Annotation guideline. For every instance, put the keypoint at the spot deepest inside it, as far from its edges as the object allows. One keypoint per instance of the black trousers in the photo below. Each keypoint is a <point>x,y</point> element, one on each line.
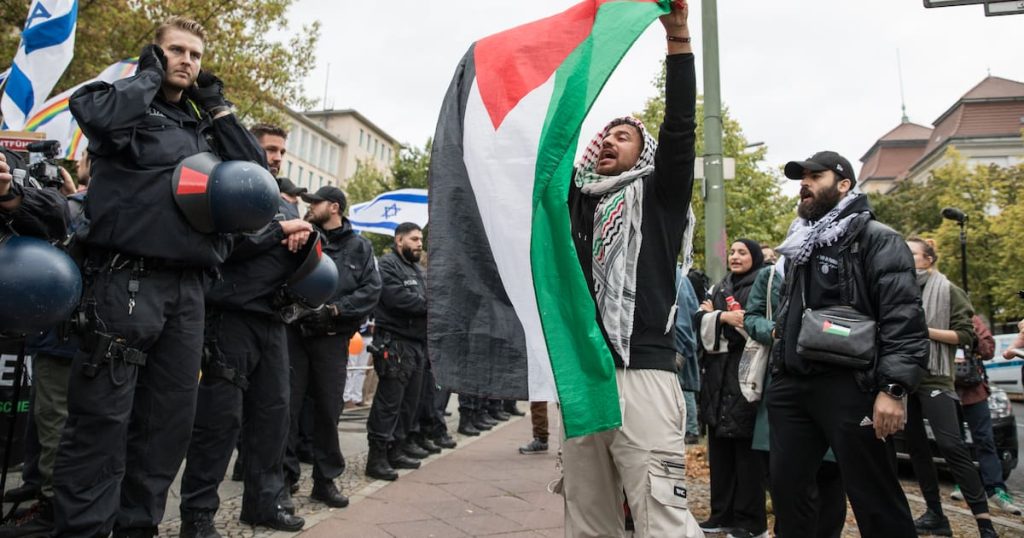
<point>810,413</point>
<point>318,366</point>
<point>396,403</point>
<point>738,480</point>
<point>942,410</point>
<point>128,426</point>
<point>830,500</point>
<point>431,419</point>
<point>249,378</point>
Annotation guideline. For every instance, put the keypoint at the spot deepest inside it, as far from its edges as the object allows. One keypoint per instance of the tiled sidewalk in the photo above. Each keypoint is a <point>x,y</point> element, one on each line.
<point>485,488</point>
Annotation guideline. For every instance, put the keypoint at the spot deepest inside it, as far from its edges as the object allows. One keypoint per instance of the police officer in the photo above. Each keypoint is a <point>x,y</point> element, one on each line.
<point>245,372</point>
<point>132,392</point>
<point>319,358</point>
<point>400,339</point>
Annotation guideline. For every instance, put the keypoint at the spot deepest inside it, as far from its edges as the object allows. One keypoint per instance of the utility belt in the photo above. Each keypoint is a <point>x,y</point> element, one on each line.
<point>392,357</point>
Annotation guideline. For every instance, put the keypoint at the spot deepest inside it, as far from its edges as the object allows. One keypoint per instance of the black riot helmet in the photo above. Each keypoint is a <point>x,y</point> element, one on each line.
<point>224,196</point>
<point>315,280</point>
<point>40,286</point>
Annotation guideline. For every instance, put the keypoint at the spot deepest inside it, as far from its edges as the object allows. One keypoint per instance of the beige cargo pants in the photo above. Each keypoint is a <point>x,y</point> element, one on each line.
<point>645,458</point>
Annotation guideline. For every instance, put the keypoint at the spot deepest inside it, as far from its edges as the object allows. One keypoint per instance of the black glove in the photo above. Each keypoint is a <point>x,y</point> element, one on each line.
<point>152,58</point>
<point>208,92</point>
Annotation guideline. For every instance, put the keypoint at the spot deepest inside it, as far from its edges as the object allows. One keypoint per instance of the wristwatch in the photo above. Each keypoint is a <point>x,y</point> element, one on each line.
<point>895,390</point>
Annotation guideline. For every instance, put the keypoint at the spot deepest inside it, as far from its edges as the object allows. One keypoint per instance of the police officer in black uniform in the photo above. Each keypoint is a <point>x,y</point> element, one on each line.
<point>320,357</point>
<point>132,392</point>
<point>245,373</point>
<point>400,341</point>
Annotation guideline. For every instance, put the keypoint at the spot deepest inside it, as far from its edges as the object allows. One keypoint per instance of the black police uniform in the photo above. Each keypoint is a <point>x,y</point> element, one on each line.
<point>319,359</point>
<point>129,425</point>
<point>401,329</point>
<point>245,366</point>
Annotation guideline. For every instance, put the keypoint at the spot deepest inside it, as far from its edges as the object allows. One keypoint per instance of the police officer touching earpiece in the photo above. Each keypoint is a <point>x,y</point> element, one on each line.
<point>132,392</point>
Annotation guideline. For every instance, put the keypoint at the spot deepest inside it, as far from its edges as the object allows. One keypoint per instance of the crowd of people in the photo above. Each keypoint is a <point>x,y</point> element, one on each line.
<point>850,329</point>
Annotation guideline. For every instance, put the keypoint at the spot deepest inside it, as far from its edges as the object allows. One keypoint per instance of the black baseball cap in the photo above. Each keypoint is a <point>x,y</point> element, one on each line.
<point>290,188</point>
<point>329,193</point>
<point>819,162</point>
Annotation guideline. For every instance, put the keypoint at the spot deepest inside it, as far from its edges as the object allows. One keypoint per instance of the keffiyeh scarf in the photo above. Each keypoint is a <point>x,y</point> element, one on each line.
<point>617,234</point>
<point>804,236</point>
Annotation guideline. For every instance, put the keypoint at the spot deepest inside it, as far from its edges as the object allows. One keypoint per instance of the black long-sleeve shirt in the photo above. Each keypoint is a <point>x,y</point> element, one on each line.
<point>667,193</point>
<point>136,139</point>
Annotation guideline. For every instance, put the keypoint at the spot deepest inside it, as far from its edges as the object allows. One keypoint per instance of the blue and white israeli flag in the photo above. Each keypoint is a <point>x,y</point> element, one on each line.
<point>3,76</point>
<point>47,46</point>
<point>385,212</point>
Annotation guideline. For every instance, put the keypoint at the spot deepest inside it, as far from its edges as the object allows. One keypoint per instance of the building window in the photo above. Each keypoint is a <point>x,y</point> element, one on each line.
<point>300,175</point>
<point>332,163</point>
<point>362,135</point>
<point>289,173</point>
<point>311,179</point>
<point>304,145</point>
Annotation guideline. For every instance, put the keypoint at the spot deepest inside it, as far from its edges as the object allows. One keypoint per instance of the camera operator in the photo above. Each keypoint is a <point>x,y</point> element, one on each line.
<point>41,213</point>
<point>132,392</point>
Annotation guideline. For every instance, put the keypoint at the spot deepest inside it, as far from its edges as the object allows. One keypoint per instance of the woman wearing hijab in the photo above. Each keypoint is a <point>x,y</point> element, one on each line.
<point>738,473</point>
<point>948,312</point>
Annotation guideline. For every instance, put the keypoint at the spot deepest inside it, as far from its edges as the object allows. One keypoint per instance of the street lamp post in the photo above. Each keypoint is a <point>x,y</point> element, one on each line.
<point>714,191</point>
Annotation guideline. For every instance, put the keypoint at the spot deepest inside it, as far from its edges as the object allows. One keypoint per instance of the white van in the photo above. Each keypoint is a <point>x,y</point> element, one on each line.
<point>1003,373</point>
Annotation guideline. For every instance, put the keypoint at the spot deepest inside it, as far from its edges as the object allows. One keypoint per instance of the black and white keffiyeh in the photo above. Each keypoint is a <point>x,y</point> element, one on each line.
<point>804,236</point>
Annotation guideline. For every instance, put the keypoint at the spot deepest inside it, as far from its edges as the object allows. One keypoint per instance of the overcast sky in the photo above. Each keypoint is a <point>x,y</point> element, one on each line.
<point>799,75</point>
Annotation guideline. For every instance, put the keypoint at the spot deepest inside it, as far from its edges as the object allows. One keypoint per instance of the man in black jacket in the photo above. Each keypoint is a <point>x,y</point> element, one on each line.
<point>632,280</point>
<point>837,254</point>
<point>245,374</point>
<point>132,393</point>
<point>400,338</point>
<point>320,357</point>
<point>41,213</point>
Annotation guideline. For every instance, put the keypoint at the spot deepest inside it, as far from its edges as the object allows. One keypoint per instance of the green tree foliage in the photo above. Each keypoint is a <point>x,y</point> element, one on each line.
<point>756,207</point>
<point>408,171</point>
<point>256,71</point>
<point>989,197</point>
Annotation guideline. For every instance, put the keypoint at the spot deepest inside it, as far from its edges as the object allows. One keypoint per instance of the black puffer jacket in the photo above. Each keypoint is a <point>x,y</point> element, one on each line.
<point>872,270</point>
<point>722,405</point>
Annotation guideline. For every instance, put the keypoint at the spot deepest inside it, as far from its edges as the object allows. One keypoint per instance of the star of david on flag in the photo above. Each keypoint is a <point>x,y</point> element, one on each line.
<point>385,212</point>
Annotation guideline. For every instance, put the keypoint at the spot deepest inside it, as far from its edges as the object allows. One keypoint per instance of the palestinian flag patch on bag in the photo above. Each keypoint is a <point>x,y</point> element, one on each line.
<point>833,328</point>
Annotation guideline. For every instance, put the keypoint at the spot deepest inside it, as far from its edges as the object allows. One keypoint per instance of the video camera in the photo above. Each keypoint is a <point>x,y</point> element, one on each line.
<point>43,170</point>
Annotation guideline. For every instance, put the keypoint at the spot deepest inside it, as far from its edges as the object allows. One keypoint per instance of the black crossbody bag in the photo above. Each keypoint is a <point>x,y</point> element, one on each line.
<point>839,335</point>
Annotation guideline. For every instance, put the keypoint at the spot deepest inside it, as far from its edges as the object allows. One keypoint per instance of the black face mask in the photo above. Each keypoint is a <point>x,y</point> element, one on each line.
<point>409,255</point>
<point>821,204</point>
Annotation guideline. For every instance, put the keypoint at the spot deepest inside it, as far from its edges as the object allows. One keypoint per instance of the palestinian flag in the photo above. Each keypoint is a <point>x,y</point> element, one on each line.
<point>510,314</point>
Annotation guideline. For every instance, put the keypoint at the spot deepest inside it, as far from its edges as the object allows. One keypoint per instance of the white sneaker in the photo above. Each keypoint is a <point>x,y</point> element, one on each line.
<point>956,495</point>
<point>1004,502</point>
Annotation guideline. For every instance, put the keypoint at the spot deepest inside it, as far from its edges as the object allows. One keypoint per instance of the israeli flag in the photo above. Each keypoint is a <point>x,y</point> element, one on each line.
<point>3,76</point>
<point>47,46</point>
<point>385,212</point>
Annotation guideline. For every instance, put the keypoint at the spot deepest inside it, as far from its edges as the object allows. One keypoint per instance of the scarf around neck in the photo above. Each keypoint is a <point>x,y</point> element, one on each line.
<point>935,300</point>
<point>617,233</point>
<point>804,236</point>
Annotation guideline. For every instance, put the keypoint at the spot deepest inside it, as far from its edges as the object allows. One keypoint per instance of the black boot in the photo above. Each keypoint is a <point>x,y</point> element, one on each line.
<point>36,521</point>
<point>511,408</point>
<point>327,493</point>
<point>377,465</point>
<point>445,441</point>
<point>466,426</point>
<point>22,493</point>
<point>482,422</point>
<point>398,460</point>
<point>284,500</point>
<point>198,524</point>
<point>425,443</point>
<point>499,415</point>
<point>413,450</point>
<point>933,523</point>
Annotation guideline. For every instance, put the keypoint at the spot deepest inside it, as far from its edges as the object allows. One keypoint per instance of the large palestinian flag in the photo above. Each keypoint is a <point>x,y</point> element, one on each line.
<point>510,314</point>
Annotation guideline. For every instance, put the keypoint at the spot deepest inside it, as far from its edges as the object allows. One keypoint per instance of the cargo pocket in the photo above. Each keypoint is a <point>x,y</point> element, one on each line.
<point>667,476</point>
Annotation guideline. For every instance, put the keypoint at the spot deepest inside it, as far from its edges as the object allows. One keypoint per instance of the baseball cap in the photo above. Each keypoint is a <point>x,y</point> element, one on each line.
<point>819,162</point>
<point>329,193</point>
<point>290,188</point>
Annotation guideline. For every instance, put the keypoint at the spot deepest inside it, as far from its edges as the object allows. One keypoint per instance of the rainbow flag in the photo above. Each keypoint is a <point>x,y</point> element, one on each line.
<point>54,118</point>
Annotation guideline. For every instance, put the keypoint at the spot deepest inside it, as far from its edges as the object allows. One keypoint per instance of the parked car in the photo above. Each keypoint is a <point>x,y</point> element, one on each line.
<point>1003,373</point>
<point>1004,429</point>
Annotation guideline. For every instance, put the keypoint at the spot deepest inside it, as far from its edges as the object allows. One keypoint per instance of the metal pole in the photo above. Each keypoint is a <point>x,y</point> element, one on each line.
<point>963,254</point>
<point>714,185</point>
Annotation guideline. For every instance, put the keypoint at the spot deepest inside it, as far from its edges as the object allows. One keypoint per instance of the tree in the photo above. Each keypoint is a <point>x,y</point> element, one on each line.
<point>256,72</point>
<point>755,206</point>
<point>408,171</point>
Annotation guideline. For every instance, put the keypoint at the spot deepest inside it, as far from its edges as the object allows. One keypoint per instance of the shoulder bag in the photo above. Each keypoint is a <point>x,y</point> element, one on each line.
<point>754,361</point>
